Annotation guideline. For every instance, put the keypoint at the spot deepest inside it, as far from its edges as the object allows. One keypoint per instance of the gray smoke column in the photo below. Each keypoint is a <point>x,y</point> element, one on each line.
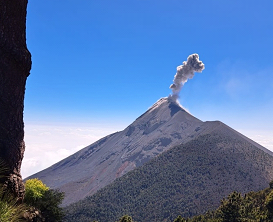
<point>185,72</point>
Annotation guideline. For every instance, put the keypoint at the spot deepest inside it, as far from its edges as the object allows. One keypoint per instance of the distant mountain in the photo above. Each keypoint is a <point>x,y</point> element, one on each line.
<point>164,125</point>
<point>161,127</point>
<point>186,180</point>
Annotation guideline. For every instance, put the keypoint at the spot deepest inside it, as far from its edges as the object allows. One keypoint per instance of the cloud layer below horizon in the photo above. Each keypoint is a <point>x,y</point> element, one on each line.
<point>48,144</point>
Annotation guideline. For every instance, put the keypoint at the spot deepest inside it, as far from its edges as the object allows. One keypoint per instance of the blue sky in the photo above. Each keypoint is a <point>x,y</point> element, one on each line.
<point>98,65</point>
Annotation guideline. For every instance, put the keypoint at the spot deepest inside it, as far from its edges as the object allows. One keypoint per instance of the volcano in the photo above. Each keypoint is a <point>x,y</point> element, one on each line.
<point>163,126</point>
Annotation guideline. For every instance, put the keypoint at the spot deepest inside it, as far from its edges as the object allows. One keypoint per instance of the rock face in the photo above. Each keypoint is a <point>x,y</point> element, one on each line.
<point>163,126</point>
<point>15,64</point>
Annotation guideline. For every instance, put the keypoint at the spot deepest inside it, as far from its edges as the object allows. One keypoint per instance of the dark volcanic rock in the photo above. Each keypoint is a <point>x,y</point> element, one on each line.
<point>15,64</point>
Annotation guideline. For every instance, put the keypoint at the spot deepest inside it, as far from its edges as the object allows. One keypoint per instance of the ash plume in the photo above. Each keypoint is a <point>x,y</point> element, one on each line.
<point>185,72</point>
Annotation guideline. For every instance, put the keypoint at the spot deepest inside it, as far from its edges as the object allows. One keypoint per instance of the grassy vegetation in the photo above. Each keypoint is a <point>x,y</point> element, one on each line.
<point>40,204</point>
<point>187,180</point>
<point>10,210</point>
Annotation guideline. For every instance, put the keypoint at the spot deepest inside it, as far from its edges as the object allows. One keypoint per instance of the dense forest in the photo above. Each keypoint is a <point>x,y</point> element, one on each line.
<point>187,180</point>
<point>251,207</point>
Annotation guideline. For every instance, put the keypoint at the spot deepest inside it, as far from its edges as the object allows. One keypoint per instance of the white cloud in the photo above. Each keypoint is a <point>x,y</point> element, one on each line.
<point>240,79</point>
<point>48,144</point>
<point>233,86</point>
<point>237,78</point>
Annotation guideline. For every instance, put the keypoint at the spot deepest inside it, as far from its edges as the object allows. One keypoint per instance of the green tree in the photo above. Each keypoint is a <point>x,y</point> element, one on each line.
<point>126,218</point>
<point>49,205</point>
<point>179,219</point>
<point>35,190</point>
<point>269,205</point>
<point>46,200</point>
<point>230,208</point>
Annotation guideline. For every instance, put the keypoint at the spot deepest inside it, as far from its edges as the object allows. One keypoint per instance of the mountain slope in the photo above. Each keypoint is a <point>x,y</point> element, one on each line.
<point>164,125</point>
<point>186,180</point>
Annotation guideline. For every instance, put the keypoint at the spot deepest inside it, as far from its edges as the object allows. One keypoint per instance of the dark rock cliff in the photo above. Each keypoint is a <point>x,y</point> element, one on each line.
<point>15,65</point>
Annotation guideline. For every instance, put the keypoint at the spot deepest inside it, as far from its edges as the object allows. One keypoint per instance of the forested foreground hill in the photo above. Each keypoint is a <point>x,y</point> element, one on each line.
<point>252,207</point>
<point>187,180</point>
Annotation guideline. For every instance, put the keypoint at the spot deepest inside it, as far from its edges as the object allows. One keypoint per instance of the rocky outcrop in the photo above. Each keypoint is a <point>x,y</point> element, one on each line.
<point>15,65</point>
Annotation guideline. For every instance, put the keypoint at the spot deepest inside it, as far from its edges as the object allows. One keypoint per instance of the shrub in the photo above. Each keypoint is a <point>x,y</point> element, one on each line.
<point>46,200</point>
<point>35,190</point>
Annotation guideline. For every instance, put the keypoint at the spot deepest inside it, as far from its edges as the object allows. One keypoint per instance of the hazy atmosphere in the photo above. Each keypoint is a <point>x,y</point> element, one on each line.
<point>98,65</point>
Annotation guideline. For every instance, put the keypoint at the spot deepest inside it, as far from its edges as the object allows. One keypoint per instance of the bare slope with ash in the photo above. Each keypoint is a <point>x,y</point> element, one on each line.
<point>164,125</point>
